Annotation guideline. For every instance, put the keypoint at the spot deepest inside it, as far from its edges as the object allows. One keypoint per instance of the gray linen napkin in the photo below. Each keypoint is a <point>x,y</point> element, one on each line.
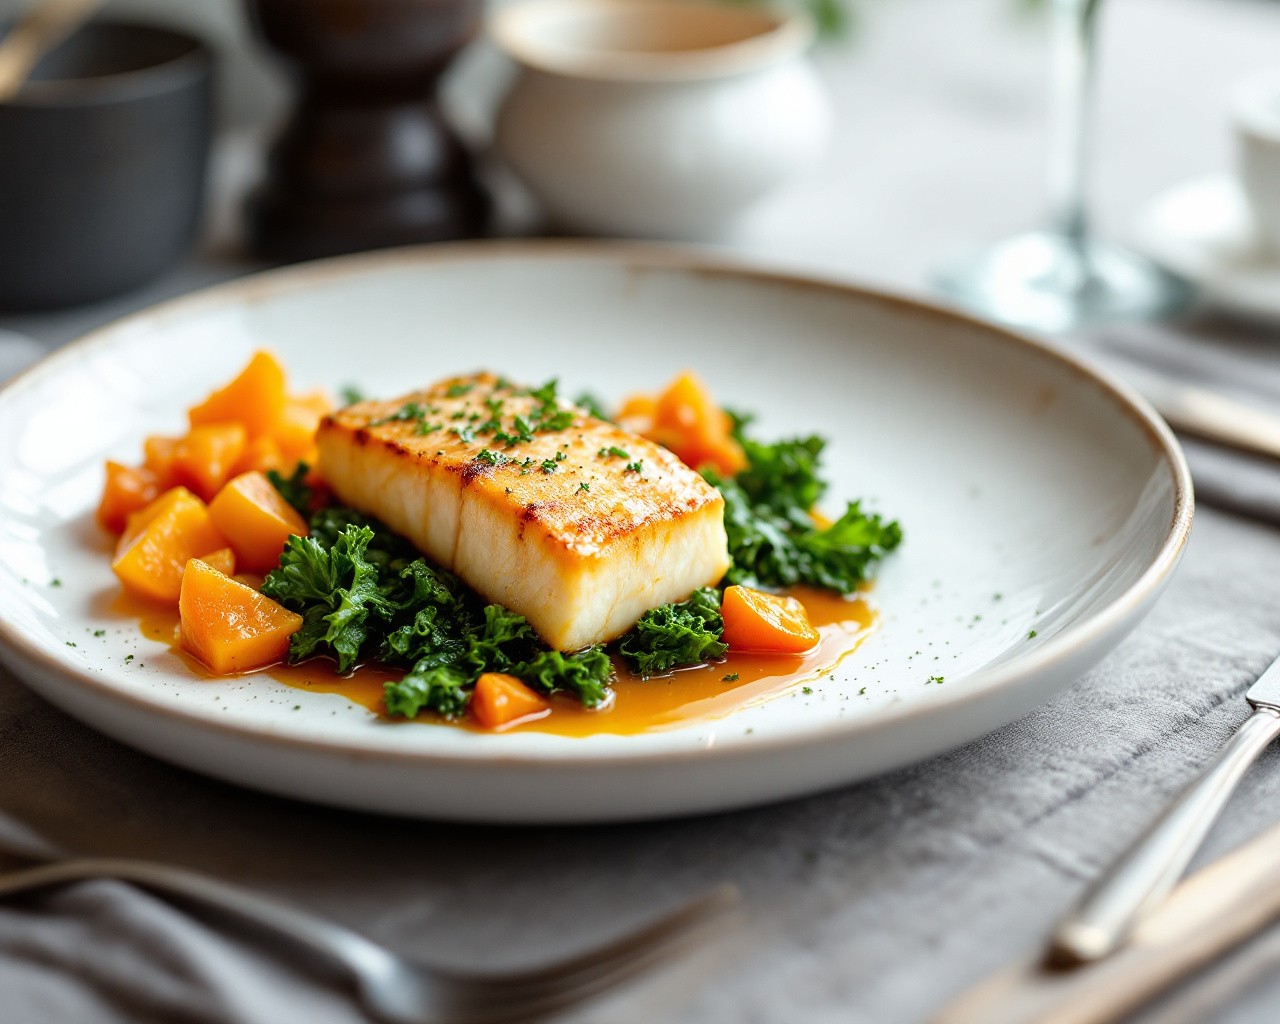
<point>1232,360</point>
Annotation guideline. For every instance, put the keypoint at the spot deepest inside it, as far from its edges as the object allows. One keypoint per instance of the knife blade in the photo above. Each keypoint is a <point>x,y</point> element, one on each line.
<point>1205,414</point>
<point>1266,691</point>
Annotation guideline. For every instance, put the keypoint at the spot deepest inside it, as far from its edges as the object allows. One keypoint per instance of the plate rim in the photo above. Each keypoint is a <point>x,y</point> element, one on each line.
<point>701,261</point>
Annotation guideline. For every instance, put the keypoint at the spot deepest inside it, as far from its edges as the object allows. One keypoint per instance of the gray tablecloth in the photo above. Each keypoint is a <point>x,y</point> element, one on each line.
<point>873,904</point>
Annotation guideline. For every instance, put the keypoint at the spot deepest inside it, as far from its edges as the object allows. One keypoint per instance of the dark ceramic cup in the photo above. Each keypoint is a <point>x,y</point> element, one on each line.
<point>102,165</point>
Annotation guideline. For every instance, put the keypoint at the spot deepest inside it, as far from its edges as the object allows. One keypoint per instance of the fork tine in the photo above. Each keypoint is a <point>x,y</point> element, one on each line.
<point>504,998</point>
<point>701,909</point>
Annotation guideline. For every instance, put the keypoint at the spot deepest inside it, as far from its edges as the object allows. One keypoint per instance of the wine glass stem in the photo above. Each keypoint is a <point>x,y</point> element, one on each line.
<point>1073,51</point>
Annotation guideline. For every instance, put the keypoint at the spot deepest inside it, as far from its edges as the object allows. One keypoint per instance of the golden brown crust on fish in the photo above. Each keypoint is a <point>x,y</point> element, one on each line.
<point>569,520</point>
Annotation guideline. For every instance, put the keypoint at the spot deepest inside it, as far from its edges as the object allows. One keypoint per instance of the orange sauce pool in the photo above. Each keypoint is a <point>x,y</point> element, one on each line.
<point>639,705</point>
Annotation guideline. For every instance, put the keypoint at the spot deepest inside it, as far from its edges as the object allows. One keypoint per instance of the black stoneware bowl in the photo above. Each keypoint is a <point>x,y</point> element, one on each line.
<point>102,165</point>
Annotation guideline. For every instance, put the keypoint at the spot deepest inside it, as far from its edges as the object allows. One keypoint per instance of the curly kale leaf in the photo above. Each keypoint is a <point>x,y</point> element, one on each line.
<point>442,689</point>
<point>584,674</point>
<point>665,638</point>
<point>337,591</point>
<point>773,547</point>
<point>294,488</point>
<point>782,476</point>
<point>387,550</point>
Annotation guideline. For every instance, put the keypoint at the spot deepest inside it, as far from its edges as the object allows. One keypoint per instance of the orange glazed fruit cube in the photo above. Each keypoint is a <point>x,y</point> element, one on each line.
<point>257,521</point>
<point>255,398</point>
<point>500,700</point>
<point>204,459</point>
<point>261,454</point>
<point>127,490</point>
<point>158,455</point>
<point>228,626</point>
<point>224,560</point>
<point>160,540</point>
<point>685,419</point>
<point>766,623</point>
<point>295,431</point>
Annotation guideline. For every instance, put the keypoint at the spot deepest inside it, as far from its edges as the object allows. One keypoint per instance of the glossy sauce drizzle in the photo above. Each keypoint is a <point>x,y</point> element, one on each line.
<point>639,705</point>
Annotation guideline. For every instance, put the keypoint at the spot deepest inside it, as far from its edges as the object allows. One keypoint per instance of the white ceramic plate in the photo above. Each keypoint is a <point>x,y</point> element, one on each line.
<point>1035,495</point>
<point>1202,230</point>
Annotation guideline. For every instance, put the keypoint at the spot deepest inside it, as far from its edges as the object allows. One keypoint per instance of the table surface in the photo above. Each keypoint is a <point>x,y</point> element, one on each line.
<point>872,904</point>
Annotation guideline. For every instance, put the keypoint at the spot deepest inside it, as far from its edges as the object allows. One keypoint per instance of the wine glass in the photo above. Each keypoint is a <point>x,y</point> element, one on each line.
<point>1061,278</point>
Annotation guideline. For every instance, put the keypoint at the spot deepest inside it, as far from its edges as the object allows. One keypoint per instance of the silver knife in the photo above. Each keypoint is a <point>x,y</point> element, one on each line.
<point>1206,414</point>
<point>1148,870</point>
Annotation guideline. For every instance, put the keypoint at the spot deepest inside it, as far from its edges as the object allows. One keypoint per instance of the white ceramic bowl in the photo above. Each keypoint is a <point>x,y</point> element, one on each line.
<point>654,118</point>
<point>1037,497</point>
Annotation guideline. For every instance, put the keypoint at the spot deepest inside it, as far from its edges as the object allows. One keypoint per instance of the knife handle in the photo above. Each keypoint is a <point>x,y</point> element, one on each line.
<point>1149,869</point>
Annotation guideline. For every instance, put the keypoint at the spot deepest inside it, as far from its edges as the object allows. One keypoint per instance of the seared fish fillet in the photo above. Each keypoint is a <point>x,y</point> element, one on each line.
<point>577,525</point>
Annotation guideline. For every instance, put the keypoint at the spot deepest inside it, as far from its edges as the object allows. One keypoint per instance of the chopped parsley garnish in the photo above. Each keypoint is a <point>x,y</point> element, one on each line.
<point>635,467</point>
<point>458,390</point>
<point>731,677</point>
<point>688,633</point>
<point>491,457</point>
<point>521,432</point>
<point>547,415</point>
<point>414,411</point>
<point>584,486</point>
<point>614,452</point>
<point>593,406</point>
<point>351,394</point>
<point>466,435</point>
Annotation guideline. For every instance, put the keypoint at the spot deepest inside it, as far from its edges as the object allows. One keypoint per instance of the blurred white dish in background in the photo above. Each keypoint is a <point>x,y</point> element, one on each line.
<point>17,352</point>
<point>1202,230</point>
<point>656,119</point>
<point>1256,113</point>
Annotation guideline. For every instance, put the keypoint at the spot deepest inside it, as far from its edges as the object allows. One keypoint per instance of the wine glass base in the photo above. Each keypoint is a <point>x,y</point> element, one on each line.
<point>1049,282</point>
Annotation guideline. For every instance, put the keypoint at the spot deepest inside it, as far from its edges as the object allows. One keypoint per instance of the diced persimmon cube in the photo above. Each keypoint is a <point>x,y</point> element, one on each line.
<point>295,431</point>
<point>205,458</point>
<point>766,623</point>
<point>158,455</point>
<point>695,428</point>
<point>224,560</point>
<point>685,419</point>
<point>252,515</point>
<point>228,626</point>
<point>159,541</point>
<point>261,454</point>
<point>254,399</point>
<point>500,700</point>
<point>640,408</point>
<point>127,490</point>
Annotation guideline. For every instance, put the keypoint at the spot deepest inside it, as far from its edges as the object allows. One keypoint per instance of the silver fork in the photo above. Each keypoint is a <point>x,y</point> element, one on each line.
<point>398,990</point>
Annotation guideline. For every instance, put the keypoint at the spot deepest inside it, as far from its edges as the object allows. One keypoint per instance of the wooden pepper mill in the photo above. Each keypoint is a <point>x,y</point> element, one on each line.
<point>366,160</point>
